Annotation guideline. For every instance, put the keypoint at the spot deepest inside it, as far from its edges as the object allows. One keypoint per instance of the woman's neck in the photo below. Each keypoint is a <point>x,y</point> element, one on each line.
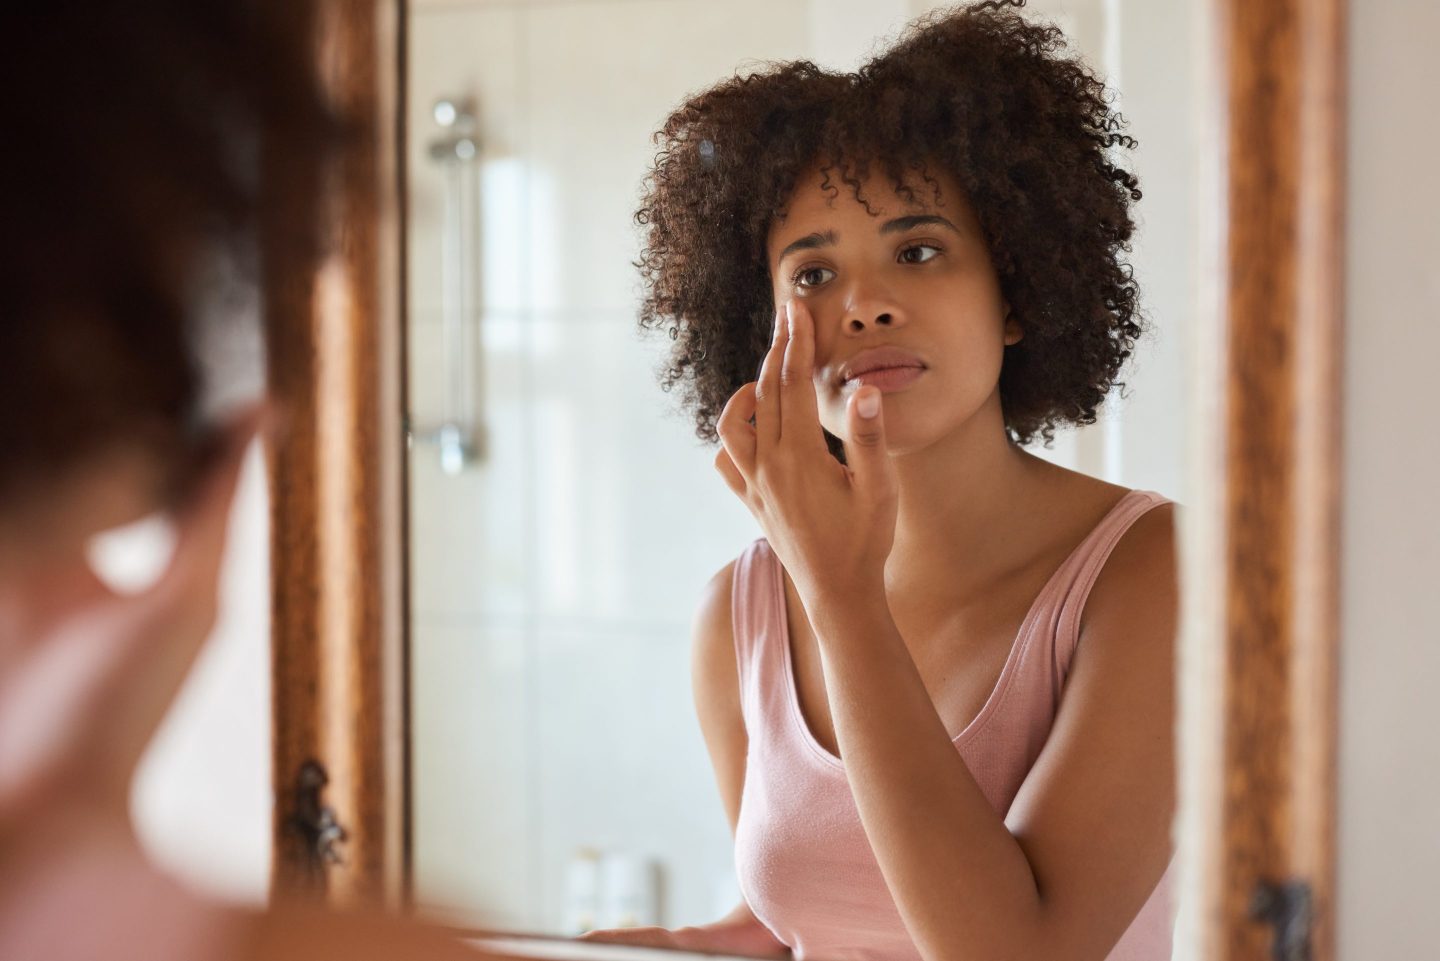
<point>963,503</point>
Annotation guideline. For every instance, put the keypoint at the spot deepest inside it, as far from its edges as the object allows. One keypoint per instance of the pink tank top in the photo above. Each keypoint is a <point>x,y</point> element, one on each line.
<point>802,859</point>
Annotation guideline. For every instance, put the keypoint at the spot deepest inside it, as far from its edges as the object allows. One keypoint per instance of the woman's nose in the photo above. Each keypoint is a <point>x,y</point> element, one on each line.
<point>858,322</point>
<point>869,307</point>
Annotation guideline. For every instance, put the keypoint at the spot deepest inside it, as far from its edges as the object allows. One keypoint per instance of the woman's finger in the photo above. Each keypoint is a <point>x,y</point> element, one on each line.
<point>767,391</point>
<point>736,433</point>
<point>651,936</point>
<point>733,478</point>
<point>203,523</point>
<point>866,454</point>
<point>800,420</point>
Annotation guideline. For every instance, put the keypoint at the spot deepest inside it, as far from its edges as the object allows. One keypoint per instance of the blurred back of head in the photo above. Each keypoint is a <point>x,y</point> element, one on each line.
<point>147,141</point>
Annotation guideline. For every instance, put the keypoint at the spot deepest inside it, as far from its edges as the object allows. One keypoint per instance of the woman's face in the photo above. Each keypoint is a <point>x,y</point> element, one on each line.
<point>914,275</point>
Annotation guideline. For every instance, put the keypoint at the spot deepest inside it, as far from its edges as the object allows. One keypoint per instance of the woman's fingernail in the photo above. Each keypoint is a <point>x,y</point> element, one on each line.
<point>868,404</point>
<point>790,318</point>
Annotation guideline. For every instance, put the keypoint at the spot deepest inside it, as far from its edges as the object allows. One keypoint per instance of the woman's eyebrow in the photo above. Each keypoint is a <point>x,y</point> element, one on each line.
<point>898,225</point>
<point>809,242</point>
<point>901,224</point>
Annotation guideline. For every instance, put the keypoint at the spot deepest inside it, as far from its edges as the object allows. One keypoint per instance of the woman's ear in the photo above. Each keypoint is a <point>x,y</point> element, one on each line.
<point>1014,333</point>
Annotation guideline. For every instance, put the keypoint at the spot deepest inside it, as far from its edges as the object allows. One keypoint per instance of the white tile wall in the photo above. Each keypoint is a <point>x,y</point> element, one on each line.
<point>634,516</point>
<point>586,539</point>
<point>459,51</point>
<point>1161,97</point>
<point>599,78</point>
<point>623,765</point>
<point>473,816</point>
<point>471,526</point>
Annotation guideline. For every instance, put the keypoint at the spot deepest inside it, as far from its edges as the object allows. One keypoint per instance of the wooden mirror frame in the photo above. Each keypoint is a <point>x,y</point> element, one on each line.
<point>336,365</point>
<point>1259,641</point>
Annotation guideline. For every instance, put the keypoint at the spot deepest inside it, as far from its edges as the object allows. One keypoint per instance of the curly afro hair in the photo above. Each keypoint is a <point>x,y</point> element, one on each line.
<point>977,90</point>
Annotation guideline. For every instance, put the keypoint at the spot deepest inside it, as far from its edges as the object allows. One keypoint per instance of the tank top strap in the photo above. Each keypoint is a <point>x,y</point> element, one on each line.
<point>754,616</point>
<point>1081,571</point>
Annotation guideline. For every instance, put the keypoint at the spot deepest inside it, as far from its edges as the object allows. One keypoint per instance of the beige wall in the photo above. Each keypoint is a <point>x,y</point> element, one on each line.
<point>1389,846</point>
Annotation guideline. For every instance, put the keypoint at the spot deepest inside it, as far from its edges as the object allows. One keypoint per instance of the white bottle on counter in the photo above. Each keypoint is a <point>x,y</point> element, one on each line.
<point>628,892</point>
<point>582,892</point>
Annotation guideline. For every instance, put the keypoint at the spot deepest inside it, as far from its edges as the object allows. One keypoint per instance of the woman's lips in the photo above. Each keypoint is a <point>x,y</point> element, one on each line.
<point>887,379</point>
<point>881,357</point>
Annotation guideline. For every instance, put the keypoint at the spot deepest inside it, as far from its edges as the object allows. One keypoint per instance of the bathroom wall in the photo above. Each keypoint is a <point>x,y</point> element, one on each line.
<point>1389,757</point>
<point>555,580</point>
<point>551,605</point>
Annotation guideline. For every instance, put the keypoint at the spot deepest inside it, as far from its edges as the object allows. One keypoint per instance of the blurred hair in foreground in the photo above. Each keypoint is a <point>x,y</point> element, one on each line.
<point>146,143</point>
<point>157,153</point>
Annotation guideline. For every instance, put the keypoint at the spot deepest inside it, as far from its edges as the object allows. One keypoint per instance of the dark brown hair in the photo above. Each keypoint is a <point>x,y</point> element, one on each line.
<point>134,132</point>
<point>978,91</point>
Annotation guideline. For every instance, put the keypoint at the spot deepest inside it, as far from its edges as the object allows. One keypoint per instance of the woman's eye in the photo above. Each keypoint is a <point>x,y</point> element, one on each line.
<point>905,254</point>
<point>812,276</point>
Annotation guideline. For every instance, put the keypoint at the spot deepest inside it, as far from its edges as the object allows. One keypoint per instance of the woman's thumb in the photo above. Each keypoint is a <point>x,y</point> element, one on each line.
<point>865,452</point>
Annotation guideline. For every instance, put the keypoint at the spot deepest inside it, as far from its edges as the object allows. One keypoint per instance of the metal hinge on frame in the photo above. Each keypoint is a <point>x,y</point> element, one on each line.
<point>315,821</point>
<point>1289,907</point>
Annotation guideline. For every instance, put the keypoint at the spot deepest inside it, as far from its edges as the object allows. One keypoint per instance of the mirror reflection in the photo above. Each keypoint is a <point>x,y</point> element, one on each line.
<point>651,690</point>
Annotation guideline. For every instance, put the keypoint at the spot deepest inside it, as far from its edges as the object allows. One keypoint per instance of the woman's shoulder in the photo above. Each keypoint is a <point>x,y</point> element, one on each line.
<point>748,568</point>
<point>721,605</point>
<point>732,602</point>
<point>1137,571</point>
<point>1086,498</point>
<point>714,610</point>
<point>1138,581</point>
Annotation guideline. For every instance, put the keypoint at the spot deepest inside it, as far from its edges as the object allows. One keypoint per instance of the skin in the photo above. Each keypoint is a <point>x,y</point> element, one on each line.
<point>907,576</point>
<point>86,676</point>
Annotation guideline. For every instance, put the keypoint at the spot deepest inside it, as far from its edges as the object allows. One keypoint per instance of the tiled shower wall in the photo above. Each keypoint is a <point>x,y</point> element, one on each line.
<point>554,581</point>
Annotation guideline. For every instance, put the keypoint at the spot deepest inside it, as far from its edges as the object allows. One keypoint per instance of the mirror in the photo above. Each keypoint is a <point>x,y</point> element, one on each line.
<point>564,518</point>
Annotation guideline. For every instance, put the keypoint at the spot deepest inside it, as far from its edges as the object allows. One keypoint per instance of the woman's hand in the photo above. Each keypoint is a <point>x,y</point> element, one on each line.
<point>831,525</point>
<point>721,937</point>
<point>650,937</point>
<point>87,674</point>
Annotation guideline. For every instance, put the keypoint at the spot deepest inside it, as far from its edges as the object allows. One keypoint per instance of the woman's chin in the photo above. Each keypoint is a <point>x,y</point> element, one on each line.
<point>897,442</point>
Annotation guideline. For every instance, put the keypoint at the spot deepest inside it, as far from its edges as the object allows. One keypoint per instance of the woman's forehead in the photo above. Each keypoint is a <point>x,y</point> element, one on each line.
<point>920,188</point>
<point>823,195</point>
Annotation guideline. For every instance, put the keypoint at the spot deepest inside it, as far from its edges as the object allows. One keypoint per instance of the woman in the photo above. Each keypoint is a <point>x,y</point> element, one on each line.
<point>131,198</point>
<point>938,693</point>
